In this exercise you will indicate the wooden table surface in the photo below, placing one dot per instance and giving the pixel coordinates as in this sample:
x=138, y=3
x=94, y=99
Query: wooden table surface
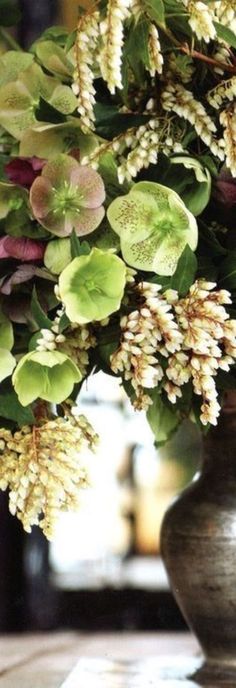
x=114, y=660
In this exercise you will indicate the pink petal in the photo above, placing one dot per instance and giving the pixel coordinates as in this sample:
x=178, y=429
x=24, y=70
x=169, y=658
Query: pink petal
x=90, y=185
x=41, y=197
x=87, y=220
x=60, y=170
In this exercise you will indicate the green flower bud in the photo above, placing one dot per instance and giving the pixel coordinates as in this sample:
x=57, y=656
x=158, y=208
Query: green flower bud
x=49, y=375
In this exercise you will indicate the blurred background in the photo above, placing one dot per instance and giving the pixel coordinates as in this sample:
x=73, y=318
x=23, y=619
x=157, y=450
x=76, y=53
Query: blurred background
x=103, y=571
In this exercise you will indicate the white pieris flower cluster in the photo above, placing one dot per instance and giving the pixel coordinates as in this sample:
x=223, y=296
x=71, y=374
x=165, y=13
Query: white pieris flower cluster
x=201, y=19
x=225, y=12
x=154, y=49
x=209, y=343
x=138, y=9
x=228, y=121
x=42, y=467
x=76, y=341
x=143, y=147
x=176, y=98
x=112, y=33
x=226, y=90
x=202, y=16
x=85, y=51
x=194, y=334
x=99, y=46
x=148, y=329
x=222, y=54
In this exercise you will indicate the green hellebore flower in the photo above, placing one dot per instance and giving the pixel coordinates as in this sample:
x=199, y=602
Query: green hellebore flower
x=154, y=226
x=49, y=375
x=92, y=286
x=68, y=196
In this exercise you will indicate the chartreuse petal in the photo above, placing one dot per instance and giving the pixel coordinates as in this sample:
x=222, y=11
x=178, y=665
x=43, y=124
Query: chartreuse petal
x=154, y=239
x=53, y=57
x=6, y=333
x=63, y=99
x=57, y=255
x=49, y=375
x=12, y=197
x=92, y=286
x=12, y=62
x=19, y=99
x=48, y=140
x=7, y=363
x=132, y=215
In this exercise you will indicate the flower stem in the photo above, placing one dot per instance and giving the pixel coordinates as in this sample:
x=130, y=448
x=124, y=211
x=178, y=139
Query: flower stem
x=9, y=40
x=205, y=58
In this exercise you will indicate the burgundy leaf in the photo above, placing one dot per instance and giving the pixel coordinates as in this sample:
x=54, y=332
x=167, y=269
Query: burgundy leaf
x=24, y=273
x=225, y=189
x=23, y=249
x=23, y=171
x=3, y=252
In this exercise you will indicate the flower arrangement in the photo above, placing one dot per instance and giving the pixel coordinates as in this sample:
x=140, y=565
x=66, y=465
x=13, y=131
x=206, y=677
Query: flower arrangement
x=117, y=235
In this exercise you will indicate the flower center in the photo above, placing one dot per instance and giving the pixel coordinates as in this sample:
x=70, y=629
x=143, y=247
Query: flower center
x=66, y=198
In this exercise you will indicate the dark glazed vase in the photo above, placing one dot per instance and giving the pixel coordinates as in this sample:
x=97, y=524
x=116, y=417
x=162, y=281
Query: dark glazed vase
x=199, y=552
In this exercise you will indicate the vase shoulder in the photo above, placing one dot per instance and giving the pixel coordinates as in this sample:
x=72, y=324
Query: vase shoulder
x=199, y=551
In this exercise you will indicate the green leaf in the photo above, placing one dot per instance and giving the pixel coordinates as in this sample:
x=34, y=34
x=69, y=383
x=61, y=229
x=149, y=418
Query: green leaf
x=226, y=34
x=137, y=48
x=64, y=323
x=184, y=275
x=155, y=10
x=228, y=272
x=11, y=409
x=110, y=123
x=162, y=420
x=78, y=248
x=108, y=171
x=9, y=13
x=38, y=313
x=208, y=243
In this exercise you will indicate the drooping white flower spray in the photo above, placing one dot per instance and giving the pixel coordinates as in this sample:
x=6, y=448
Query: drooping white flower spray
x=154, y=49
x=42, y=466
x=228, y=120
x=112, y=33
x=85, y=50
x=176, y=98
x=193, y=335
x=201, y=19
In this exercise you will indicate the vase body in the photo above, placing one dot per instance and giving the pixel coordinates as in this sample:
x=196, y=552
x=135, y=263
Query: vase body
x=199, y=551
